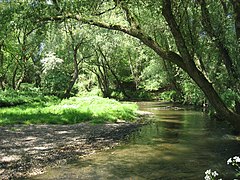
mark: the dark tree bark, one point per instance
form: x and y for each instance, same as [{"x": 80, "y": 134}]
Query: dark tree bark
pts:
[
  {"x": 134, "y": 72},
  {"x": 76, "y": 62},
  {"x": 2, "y": 74},
  {"x": 75, "y": 72},
  {"x": 14, "y": 77},
  {"x": 236, "y": 7},
  {"x": 74, "y": 77}
]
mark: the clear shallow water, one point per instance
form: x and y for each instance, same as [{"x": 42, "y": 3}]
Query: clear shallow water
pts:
[{"x": 179, "y": 144}]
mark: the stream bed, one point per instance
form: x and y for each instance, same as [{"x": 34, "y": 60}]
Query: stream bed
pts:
[{"x": 179, "y": 143}]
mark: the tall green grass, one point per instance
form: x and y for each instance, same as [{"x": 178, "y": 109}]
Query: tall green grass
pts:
[
  {"x": 10, "y": 97},
  {"x": 69, "y": 111}
]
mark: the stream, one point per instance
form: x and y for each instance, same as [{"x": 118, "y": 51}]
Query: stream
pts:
[{"x": 178, "y": 144}]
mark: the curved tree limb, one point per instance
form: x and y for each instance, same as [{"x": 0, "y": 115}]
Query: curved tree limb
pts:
[{"x": 137, "y": 33}]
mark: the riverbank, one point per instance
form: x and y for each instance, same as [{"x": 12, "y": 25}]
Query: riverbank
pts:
[{"x": 27, "y": 150}]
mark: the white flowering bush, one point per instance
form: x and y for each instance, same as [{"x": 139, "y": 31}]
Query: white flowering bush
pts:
[
  {"x": 55, "y": 77},
  {"x": 213, "y": 175},
  {"x": 235, "y": 162}
]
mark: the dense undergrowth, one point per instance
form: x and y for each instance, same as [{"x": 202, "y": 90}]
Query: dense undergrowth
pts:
[
  {"x": 14, "y": 98},
  {"x": 38, "y": 109}
]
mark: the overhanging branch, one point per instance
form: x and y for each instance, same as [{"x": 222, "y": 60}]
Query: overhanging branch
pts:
[{"x": 137, "y": 33}]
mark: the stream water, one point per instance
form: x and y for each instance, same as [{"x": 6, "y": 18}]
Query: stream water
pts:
[{"x": 178, "y": 144}]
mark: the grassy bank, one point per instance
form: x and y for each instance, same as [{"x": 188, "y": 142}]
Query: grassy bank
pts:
[
  {"x": 69, "y": 111},
  {"x": 10, "y": 98}
]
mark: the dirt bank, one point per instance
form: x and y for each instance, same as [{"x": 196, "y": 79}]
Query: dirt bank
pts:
[{"x": 27, "y": 150}]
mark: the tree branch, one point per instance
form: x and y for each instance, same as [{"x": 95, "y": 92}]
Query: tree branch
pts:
[
  {"x": 179, "y": 39},
  {"x": 224, "y": 52},
  {"x": 129, "y": 15},
  {"x": 137, "y": 33},
  {"x": 106, "y": 11}
]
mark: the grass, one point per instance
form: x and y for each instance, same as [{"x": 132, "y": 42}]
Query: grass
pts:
[
  {"x": 10, "y": 98},
  {"x": 69, "y": 111}
]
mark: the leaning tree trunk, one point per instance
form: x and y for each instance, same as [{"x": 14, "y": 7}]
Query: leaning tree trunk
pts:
[
  {"x": 236, "y": 7},
  {"x": 75, "y": 74},
  {"x": 222, "y": 111},
  {"x": 195, "y": 73},
  {"x": 71, "y": 84}
]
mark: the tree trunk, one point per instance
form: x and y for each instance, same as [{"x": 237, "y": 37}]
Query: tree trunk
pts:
[
  {"x": 133, "y": 71},
  {"x": 14, "y": 77},
  {"x": 102, "y": 76},
  {"x": 2, "y": 79},
  {"x": 195, "y": 73},
  {"x": 236, "y": 7},
  {"x": 222, "y": 111},
  {"x": 103, "y": 86},
  {"x": 75, "y": 74},
  {"x": 2, "y": 74},
  {"x": 119, "y": 83},
  {"x": 20, "y": 80}
]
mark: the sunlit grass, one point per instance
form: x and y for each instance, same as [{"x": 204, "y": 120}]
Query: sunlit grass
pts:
[{"x": 69, "y": 111}]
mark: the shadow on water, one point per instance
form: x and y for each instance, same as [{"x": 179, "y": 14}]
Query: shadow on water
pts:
[{"x": 179, "y": 144}]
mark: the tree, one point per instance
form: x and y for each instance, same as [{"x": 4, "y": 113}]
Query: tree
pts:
[
  {"x": 76, "y": 45},
  {"x": 20, "y": 40},
  {"x": 183, "y": 55},
  {"x": 188, "y": 34}
]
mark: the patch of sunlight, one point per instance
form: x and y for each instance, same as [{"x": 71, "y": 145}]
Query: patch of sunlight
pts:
[
  {"x": 10, "y": 158},
  {"x": 40, "y": 148},
  {"x": 168, "y": 157},
  {"x": 34, "y": 150},
  {"x": 171, "y": 121},
  {"x": 30, "y": 138},
  {"x": 2, "y": 171},
  {"x": 63, "y": 132},
  {"x": 65, "y": 106}
]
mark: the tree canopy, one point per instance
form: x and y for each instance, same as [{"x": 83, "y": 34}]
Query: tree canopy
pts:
[{"x": 122, "y": 47}]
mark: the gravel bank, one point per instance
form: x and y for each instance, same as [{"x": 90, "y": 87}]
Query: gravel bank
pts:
[{"x": 28, "y": 150}]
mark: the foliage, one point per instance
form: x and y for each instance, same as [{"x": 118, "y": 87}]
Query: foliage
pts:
[
  {"x": 154, "y": 76},
  {"x": 13, "y": 98},
  {"x": 74, "y": 110},
  {"x": 191, "y": 45},
  {"x": 230, "y": 96},
  {"x": 168, "y": 96},
  {"x": 192, "y": 94},
  {"x": 54, "y": 77}
]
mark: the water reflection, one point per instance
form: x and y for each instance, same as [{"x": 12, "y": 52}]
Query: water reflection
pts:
[{"x": 179, "y": 144}]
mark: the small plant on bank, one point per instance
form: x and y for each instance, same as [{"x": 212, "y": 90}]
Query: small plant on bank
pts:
[
  {"x": 213, "y": 175},
  {"x": 235, "y": 163}
]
